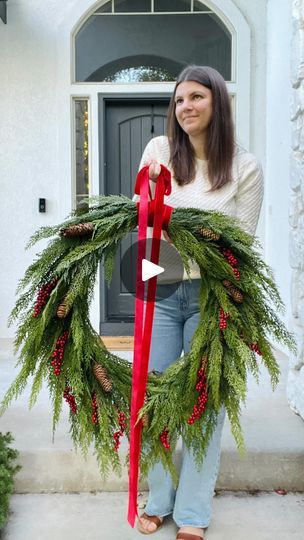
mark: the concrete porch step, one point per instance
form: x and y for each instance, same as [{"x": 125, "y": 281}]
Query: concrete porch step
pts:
[
  {"x": 100, "y": 516},
  {"x": 274, "y": 438}
]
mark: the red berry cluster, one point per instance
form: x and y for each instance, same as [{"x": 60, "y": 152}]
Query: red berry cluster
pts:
[
  {"x": 164, "y": 438},
  {"x": 58, "y": 352},
  {"x": 254, "y": 347},
  {"x": 237, "y": 274},
  {"x": 95, "y": 408},
  {"x": 122, "y": 420},
  {"x": 199, "y": 407},
  {"x": 223, "y": 319},
  {"x": 43, "y": 296},
  {"x": 232, "y": 261},
  {"x": 229, "y": 256},
  {"x": 70, "y": 399}
]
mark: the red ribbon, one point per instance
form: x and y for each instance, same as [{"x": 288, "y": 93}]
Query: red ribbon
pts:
[
  {"x": 159, "y": 213},
  {"x": 167, "y": 211}
]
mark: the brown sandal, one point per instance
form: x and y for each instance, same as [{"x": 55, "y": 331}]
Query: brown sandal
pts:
[
  {"x": 154, "y": 519},
  {"x": 188, "y": 536}
]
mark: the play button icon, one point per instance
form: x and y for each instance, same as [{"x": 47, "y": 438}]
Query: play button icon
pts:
[
  {"x": 169, "y": 270},
  {"x": 149, "y": 269}
]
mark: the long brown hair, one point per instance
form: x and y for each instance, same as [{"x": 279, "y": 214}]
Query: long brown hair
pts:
[{"x": 220, "y": 136}]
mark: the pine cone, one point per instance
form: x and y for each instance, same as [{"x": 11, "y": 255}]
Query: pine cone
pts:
[
  {"x": 234, "y": 292},
  {"x": 63, "y": 309},
  {"x": 82, "y": 229},
  {"x": 204, "y": 361},
  {"x": 145, "y": 417},
  {"x": 207, "y": 233},
  {"x": 145, "y": 420},
  {"x": 102, "y": 376}
]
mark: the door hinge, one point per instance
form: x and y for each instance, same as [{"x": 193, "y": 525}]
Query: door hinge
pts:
[{"x": 152, "y": 118}]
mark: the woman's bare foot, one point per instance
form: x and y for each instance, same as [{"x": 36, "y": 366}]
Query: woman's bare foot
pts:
[
  {"x": 148, "y": 526},
  {"x": 192, "y": 530}
]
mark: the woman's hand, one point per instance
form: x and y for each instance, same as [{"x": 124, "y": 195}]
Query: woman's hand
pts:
[
  {"x": 154, "y": 170},
  {"x": 167, "y": 237}
]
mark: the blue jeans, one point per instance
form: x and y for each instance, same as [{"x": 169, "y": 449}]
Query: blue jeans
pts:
[{"x": 175, "y": 320}]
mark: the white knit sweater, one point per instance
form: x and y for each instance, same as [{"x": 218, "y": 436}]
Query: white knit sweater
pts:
[{"x": 241, "y": 198}]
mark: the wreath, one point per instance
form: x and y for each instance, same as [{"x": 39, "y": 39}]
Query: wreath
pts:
[{"x": 239, "y": 306}]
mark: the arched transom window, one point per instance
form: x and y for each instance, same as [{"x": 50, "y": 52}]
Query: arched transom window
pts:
[{"x": 150, "y": 40}]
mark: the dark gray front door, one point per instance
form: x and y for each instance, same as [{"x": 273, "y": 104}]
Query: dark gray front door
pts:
[{"x": 129, "y": 125}]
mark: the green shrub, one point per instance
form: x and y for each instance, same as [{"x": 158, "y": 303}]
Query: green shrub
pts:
[{"x": 7, "y": 472}]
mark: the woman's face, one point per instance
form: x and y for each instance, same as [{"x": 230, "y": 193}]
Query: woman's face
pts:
[{"x": 193, "y": 107}]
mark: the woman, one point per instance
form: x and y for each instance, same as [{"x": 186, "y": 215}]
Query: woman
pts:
[{"x": 211, "y": 172}]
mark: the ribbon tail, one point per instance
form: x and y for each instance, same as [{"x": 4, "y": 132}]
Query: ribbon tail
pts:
[
  {"x": 138, "y": 332},
  {"x": 143, "y": 340}
]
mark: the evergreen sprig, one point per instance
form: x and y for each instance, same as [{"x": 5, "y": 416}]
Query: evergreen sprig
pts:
[{"x": 8, "y": 469}]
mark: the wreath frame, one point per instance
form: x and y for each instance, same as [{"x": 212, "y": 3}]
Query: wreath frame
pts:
[{"x": 239, "y": 302}]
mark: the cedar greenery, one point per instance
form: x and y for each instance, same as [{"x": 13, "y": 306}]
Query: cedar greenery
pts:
[
  {"x": 72, "y": 261},
  {"x": 7, "y": 472}
]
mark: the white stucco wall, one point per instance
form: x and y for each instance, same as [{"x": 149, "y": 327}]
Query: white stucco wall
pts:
[
  {"x": 255, "y": 14},
  {"x": 28, "y": 138},
  {"x": 35, "y": 136},
  {"x": 270, "y": 133},
  {"x": 278, "y": 140}
]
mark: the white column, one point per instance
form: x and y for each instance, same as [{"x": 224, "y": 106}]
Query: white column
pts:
[{"x": 295, "y": 385}]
